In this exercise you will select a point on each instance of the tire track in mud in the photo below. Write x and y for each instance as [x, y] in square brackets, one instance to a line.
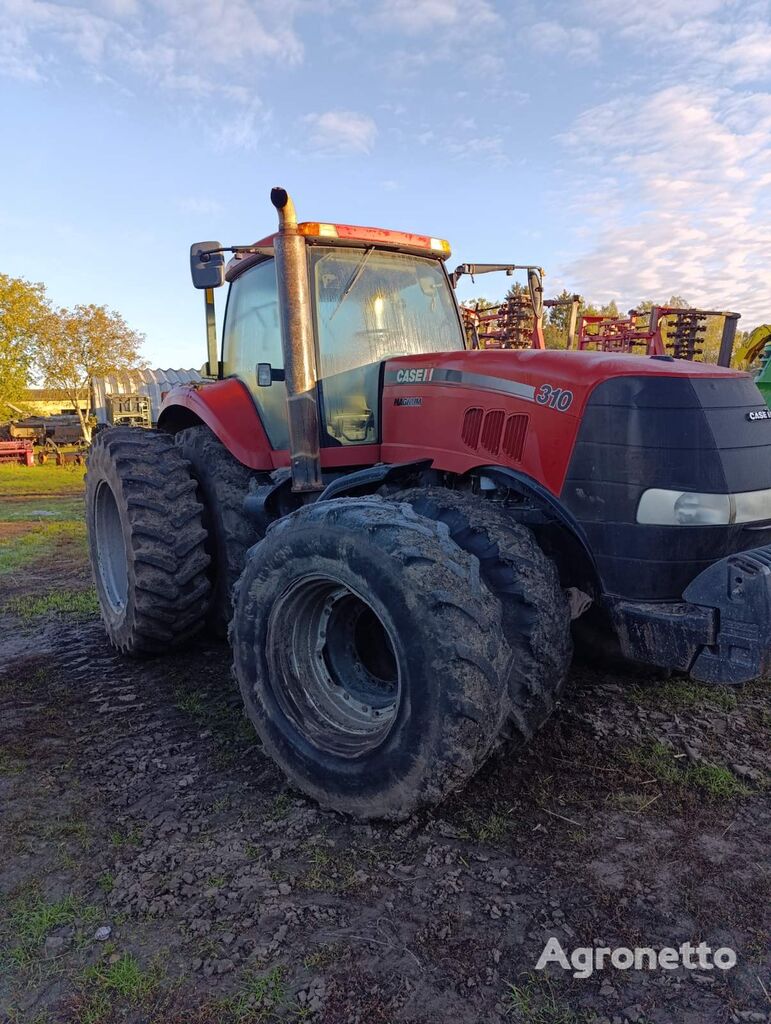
[147, 775]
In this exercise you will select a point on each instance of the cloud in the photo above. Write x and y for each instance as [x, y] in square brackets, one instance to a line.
[719, 41]
[415, 17]
[197, 47]
[199, 206]
[230, 31]
[462, 34]
[674, 197]
[342, 131]
[242, 128]
[553, 37]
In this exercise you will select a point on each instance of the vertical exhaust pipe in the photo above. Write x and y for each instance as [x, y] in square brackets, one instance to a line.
[298, 346]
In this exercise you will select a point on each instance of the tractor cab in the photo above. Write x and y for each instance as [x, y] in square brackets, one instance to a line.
[373, 294]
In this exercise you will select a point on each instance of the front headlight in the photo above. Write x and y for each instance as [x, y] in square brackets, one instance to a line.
[662, 507]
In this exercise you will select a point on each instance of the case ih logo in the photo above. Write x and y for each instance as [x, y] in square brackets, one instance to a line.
[413, 376]
[759, 414]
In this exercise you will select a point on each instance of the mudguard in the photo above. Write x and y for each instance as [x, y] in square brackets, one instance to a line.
[227, 408]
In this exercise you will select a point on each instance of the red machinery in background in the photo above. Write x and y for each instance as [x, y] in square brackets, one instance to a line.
[666, 330]
[517, 322]
[17, 451]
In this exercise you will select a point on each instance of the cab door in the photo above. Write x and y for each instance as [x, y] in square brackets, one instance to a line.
[252, 335]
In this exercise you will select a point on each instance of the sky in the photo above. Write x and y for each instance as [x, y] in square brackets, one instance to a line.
[624, 146]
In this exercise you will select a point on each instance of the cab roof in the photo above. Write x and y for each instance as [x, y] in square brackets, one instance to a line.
[345, 234]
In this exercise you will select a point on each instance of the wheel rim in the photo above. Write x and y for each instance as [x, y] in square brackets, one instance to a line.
[111, 559]
[332, 666]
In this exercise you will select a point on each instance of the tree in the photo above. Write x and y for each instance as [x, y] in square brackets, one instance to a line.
[23, 313]
[559, 316]
[85, 342]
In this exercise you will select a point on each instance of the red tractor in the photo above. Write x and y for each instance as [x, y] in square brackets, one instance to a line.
[398, 531]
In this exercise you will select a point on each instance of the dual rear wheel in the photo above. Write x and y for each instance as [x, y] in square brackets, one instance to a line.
[383, 647]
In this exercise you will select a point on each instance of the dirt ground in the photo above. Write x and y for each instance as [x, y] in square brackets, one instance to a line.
[154, 867]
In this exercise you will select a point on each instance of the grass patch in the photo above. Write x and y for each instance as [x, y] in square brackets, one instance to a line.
[191, 703]
[51, 509]
[684, 693]
[40, 541]
[9, 764]
[659, 761]
[31, 919]
[47, 479]
[226, 722]
[80, 603]
[535, 1002]
[280, 807]
[123, 837]
[260, 1000]
[125, 978]
[323, 956]
[69, 828]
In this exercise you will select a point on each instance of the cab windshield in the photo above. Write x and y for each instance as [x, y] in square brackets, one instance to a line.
[373, 304]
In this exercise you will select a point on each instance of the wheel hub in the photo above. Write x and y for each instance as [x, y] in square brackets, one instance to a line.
[332, 666]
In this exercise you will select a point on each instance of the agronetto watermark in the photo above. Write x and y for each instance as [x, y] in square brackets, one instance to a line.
[585, 960]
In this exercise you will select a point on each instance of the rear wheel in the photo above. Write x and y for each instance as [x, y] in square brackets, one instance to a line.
[535, 613]
[223, 483]
[146, 541]
[369, 655]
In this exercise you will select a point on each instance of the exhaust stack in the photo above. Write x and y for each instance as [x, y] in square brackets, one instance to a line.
[298, 346]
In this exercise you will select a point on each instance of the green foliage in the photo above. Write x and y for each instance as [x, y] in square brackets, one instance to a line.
[31, 919]
[41, 510]
[559, 316]
[39, 542]
[121, 837]
[23, 313]
[124, 978]
[535, 1002]
[260, 999]
[685, 693]
[714, 780]
[81, 603]
[48, 479]
[81, 343]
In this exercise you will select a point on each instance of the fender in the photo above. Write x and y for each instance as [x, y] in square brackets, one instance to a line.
[365, 481]
[530, 488]
[226, 407]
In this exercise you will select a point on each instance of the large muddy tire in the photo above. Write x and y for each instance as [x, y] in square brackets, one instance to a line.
[536, 617]
[370, 656]
[223, 483]
[146, 541]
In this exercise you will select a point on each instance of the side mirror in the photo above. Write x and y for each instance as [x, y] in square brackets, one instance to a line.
[535, 287]
[207, 265]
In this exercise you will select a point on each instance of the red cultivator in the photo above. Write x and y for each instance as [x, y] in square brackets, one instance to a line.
[666, 330]
[517, 322]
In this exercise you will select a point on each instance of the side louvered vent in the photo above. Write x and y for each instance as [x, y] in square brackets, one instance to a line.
[514, 436]
[472, 424]
[492, 428]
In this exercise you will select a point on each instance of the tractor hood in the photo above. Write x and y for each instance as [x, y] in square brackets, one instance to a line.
[579, 372]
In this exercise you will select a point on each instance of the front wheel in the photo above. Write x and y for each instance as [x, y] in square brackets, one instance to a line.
[370, 656]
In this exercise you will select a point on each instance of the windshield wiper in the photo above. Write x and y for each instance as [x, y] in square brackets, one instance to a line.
[354, 278]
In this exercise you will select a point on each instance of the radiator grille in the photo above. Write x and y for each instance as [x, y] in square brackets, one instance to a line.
[514, 436]
[472, 425]
[492, 428]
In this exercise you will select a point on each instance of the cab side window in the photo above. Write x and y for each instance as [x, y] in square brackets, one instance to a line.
[252, 335]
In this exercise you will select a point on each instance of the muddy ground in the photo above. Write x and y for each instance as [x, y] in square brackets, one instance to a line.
[155, 867]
